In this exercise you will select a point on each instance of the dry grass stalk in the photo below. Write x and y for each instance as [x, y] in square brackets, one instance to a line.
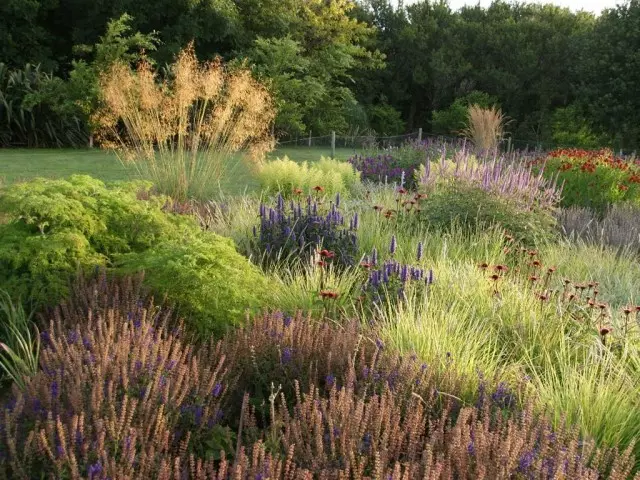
[185, 131]
[485, 127]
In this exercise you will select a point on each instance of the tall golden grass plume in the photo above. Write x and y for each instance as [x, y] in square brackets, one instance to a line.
[186, 130]
[485, 127]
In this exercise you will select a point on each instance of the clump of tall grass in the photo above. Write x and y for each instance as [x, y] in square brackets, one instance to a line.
[485, 127]
[19, 342]
[618, 228]
[185, 131]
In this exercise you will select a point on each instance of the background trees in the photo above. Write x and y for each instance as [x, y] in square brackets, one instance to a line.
[563, 77]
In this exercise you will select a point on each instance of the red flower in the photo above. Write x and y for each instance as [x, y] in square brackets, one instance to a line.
[366, 265]
[297, 191]
[327, 254]
[494, 277]
[483, 265]
[329, 294]
[318, 188]
[402, 191]
[622, 187]
[321, 263]
[501, 268]
[605, 331]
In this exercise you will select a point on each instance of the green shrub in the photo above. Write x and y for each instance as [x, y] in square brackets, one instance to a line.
[57, 228]
[472, 208]
[286, 176]
[209, 280]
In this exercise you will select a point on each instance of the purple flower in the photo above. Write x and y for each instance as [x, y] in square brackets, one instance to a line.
[393, 245]
[287, 320]
[94, 471]
[379, 344]
[54, 389]
[286, 355]
[526, 461]
[420, 252]
[216, 390]
[331, 380]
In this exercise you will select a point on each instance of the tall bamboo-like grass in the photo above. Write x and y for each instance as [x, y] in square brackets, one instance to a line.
[19, 342]
[185, 131]
[485, 127]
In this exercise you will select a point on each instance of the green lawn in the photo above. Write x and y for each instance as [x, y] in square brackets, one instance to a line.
[23, 164]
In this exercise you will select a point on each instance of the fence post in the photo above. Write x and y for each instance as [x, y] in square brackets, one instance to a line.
[420, 134]
[333, 144]
[309, 137]
[90, 141]
[509, 145]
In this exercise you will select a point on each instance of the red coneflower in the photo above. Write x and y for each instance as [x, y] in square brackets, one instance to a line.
[388, 213]
[536, 263]
[402, 191]
[605, 331]
[571, 297]
[483, 265]
[566, 281]
[637, 308]
[321, 263]
[532, 253]
[627, 310]
[328, 294]
[533, 278]
[319, 188]
[542, 297]
[501, 268]
[494, 277]
[508, 238]
[551, 269]
[602, 306]
[297, 191]
[378, 207]
[365, 265]
[591, 303]
[327, 253]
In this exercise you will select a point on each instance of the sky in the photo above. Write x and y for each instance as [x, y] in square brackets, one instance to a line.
[595, 6]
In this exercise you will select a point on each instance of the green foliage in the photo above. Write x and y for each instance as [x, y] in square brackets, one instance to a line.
[453, 119]
[19, 342]
[35, 110]
[473, 208]
[55, 228]
[594, 179]
[570, 128]
[210, 281]
[285, 176]
[385, 119]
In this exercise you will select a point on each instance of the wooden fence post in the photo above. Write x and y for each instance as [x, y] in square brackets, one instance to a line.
[333, 144]
[420, 134]
[309, 137]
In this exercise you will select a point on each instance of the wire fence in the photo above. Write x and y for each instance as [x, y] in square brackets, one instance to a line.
[358, 142]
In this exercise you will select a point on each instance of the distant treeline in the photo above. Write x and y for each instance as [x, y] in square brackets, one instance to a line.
[563, 78]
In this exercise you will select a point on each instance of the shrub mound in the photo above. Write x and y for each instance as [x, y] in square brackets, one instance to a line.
[473, 208]
[56, 228]
[121, 395]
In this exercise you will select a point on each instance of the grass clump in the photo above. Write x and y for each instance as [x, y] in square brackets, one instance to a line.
[485, 127]
[292, 179]
[183, 133]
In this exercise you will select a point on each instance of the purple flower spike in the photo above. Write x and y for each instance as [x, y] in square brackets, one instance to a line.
[393, 246]
[420, 251]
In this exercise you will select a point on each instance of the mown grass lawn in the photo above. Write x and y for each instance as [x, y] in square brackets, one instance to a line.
[24, 164]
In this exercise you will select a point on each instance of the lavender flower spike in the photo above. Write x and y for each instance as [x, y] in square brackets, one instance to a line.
[393, 246]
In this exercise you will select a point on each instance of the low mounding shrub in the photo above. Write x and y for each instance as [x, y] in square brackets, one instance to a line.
[210, 282]
[472, 207]
[56, 228]
[292, 233]
[593, 179]
[119, 395]
[290, 178]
